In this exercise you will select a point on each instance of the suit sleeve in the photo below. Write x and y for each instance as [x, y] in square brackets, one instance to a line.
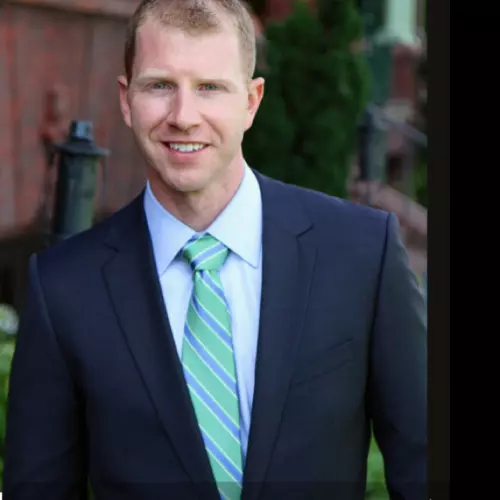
[398, 375]
[43, 444]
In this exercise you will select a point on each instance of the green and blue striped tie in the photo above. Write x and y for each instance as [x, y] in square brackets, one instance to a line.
[209, 365]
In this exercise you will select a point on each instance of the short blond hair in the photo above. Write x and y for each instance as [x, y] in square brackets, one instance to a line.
[194, 17]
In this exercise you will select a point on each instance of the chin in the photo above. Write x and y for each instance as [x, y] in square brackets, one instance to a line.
[188, 181]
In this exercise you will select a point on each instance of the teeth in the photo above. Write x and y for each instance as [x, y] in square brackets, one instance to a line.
[186, 148]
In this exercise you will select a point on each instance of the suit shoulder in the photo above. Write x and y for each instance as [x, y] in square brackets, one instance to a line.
[322, 207]
[358, 233]
[83, 249]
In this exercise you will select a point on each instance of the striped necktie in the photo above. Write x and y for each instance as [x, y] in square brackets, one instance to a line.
[209, 365]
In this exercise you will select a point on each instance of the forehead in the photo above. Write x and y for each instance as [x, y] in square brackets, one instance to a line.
[170, 49]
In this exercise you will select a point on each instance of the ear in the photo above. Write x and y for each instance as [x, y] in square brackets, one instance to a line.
[255, 95]
[124, 103]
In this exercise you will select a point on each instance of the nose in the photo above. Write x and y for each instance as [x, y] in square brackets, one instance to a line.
[184, 114]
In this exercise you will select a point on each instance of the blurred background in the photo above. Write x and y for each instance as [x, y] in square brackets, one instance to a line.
[344, 113]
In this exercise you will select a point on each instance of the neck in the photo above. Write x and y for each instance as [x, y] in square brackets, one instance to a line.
[199, 209]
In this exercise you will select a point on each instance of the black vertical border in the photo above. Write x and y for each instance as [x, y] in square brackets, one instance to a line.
[438, 125]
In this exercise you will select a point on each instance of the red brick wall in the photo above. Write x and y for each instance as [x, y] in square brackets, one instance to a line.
[7, 109]
[42, 48]
[119, 8]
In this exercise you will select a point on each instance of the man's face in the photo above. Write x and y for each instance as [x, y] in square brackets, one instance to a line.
[189, 103]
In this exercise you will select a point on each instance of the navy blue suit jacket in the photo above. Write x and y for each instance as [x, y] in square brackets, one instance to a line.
[97, 390]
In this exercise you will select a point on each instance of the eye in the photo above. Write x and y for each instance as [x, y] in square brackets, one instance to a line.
[159, 85]
[210, 86]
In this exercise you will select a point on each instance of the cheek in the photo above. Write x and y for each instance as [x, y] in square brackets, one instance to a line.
[229, 120]
[147, 113]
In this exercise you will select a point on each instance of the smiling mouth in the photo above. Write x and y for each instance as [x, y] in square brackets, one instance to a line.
[193, 147]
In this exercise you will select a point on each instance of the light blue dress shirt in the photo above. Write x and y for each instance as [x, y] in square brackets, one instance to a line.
[239, 227]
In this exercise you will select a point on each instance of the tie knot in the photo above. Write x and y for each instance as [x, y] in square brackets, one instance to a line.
[205, 253]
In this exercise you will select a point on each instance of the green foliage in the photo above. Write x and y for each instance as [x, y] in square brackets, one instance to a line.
[375, 481]
[305, 130]
[8, 329]
[420, 188]
[6, 352]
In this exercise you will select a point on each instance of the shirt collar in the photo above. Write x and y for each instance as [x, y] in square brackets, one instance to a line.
[239, 226]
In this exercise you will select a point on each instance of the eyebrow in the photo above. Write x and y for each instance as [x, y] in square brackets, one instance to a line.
[152, 75]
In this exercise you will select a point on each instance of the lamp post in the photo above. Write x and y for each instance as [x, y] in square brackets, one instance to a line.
[76, 181]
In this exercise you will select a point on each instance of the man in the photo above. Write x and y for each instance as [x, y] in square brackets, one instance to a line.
[224, 335]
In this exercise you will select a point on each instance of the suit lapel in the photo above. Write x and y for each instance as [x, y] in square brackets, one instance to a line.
[288, 261]
[135, 292]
